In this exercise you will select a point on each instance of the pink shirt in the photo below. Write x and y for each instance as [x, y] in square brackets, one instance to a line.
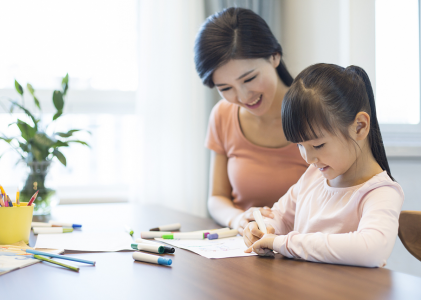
[258, 175]
[353, 226]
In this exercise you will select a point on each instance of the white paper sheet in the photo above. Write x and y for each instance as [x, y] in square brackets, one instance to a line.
[219, 248]
[86, 241]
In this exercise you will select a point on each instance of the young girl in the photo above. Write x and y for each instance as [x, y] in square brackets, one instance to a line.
[345, 208]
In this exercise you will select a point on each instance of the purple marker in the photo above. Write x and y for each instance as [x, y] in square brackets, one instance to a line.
[223, 234]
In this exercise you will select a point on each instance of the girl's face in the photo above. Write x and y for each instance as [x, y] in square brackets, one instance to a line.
[333, 155]
[249, 83]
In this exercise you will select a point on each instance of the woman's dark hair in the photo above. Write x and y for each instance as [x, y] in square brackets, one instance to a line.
[235, 33]
[329, 97]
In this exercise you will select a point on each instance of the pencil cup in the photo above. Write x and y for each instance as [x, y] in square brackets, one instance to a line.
[15, 223]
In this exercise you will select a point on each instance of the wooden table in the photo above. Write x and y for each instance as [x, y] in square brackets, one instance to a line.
[117, 276]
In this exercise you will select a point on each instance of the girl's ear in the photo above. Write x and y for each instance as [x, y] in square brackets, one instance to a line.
[361, 125]
[275, 59]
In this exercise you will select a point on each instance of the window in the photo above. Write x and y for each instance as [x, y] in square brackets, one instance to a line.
[96, 43]
[398, 65]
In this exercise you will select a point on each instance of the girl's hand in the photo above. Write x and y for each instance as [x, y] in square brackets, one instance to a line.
[264, 246]
[252, 233]
[248, 217]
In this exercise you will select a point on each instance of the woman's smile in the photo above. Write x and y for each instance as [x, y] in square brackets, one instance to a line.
[255, 104]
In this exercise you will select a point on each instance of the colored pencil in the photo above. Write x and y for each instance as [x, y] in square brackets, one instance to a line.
[59, 256]
[76, 269]
[17, 197]
[33, 198]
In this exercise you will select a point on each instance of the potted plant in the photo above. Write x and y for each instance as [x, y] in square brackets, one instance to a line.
[37, 149]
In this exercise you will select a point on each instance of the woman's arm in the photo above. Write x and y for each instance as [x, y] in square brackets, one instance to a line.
[220, 205]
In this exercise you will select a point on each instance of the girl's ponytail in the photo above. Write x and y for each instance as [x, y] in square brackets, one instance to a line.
[375, 136]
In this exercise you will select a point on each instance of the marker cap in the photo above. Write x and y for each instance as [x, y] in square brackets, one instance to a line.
[164, 261]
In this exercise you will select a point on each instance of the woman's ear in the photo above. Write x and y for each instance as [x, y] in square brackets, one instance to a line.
[275, 59]
[361, 126]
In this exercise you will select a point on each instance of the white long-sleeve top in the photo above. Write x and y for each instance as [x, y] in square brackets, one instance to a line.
[353, 226]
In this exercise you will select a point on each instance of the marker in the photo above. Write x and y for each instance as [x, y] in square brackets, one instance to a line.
[223, 234]
[38, 230]
[166, 248]
[148, 247]
[33, 198]
[76, 269]
[129, 230]
[169, 227]
[259, 220]
[153, 234]
[64, 224]
[40, 224]
[17, 197]
[59, 256]
[262, 226]
[216, 231]
[155, 259]
[184, 236]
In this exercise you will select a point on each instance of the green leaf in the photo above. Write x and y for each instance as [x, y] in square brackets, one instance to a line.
[18, 87]
[14, 103]
[7, 140]
[30, 88]
[65, 84]
[58, 100]
[42, 140]
[67, 134]
[26, 130]
[37, 102]
[24, 147]
[57, 115]
[59, 143]
[80, 142]
[59, 156]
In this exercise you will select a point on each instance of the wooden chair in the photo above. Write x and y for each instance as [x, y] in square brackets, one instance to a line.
[410, 231]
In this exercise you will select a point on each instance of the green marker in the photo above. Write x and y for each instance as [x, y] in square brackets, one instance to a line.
[38, 230]
[184, 236]
[129, 230]
[149, 247]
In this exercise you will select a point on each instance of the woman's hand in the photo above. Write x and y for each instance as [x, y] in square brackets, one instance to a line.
[247, 217]
[264, 246]
[252, 233]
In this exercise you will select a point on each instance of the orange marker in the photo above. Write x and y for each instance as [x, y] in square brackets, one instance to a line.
[33, 198]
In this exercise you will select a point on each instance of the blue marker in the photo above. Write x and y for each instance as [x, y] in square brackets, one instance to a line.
[64, 224]
[152, 258]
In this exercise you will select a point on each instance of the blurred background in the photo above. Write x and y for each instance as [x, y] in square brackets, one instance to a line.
[133, 84]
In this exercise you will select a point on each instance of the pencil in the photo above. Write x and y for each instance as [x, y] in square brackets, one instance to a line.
[76, 269]
[17, 197]
[33, 198]
[1, 201]
[59, 256]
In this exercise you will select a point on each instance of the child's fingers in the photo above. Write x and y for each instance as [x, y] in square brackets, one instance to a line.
[248, 250]
[270, 229]
[255, 231]
[267, 212]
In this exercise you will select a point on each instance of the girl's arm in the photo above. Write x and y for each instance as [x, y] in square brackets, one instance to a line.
[369, 246]
[220, 205]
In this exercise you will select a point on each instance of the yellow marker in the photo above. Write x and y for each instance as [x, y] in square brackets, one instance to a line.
[17, 197]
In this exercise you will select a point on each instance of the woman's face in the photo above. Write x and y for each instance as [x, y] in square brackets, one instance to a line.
[249, 83]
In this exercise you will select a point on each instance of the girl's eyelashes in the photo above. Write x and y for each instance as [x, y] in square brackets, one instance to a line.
[250, 79]
[319, 146]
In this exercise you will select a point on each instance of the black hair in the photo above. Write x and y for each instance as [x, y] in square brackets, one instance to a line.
[329, 97]
[235, 33]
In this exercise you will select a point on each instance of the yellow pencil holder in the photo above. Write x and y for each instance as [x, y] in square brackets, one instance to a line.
[15, 223]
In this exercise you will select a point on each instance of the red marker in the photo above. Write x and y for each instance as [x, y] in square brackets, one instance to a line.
[33, 198]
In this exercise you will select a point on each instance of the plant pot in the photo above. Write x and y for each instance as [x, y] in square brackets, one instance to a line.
[47, 197]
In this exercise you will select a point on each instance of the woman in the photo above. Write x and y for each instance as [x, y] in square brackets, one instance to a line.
[252, 163]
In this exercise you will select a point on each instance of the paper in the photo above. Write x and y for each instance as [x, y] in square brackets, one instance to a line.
[86, 241]
[12, 257]
[219, 248]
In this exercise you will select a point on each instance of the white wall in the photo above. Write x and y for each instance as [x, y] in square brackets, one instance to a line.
[343, 32]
